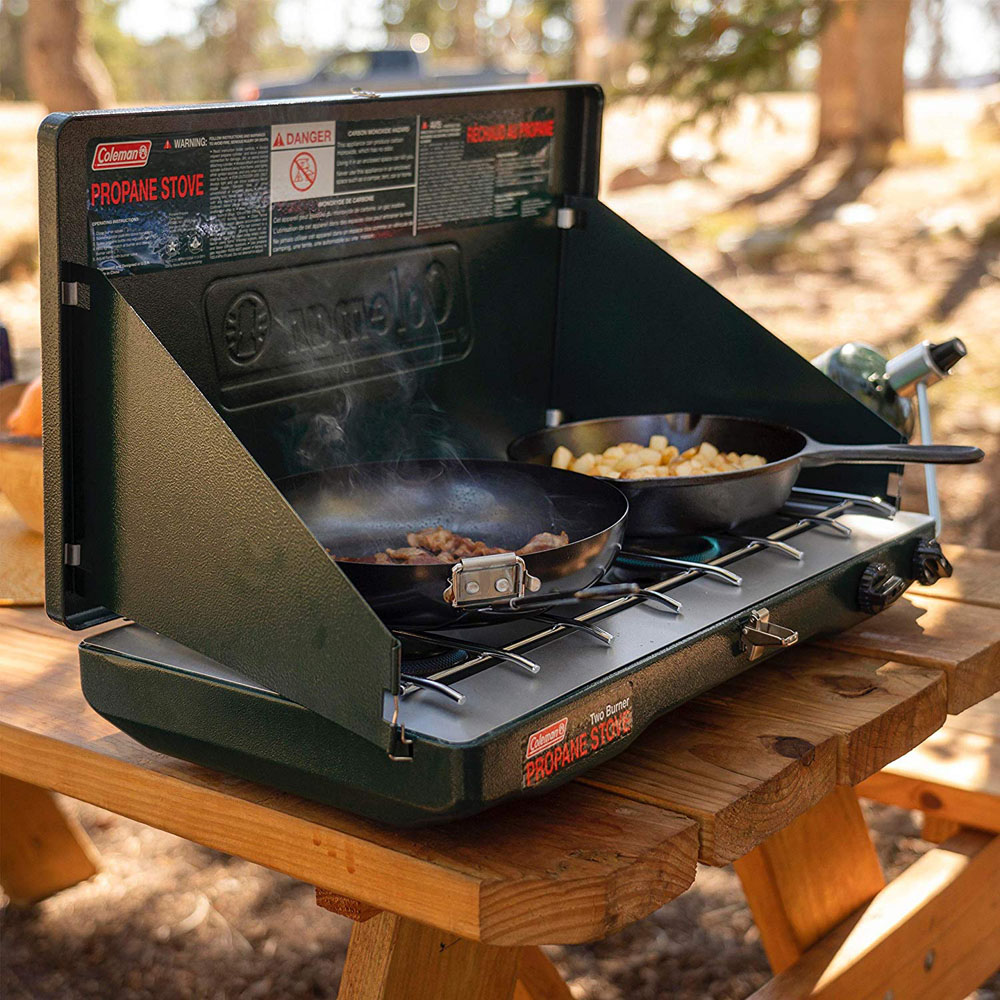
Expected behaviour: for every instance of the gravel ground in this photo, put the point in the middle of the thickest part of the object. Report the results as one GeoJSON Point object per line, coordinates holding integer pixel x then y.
{"type": "Point", "coordinates": [911, 253]}
{"type": "Point", "coordinates": [168, 920]}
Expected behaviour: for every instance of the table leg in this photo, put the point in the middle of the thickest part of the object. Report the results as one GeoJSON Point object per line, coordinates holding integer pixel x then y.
{"type": "Point", "coordinates": [395, 958]}
{"type": "Point", "coordinates": [538, 978]}
{"type": "Point", "coordinates": [41, 849]}
{"type": "Point", "coordinates": [804, 880]}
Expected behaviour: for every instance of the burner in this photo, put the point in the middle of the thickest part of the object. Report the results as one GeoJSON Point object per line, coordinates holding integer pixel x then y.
{"type": "Point", "coordinates": [422, 659]}
{"type": "Point", "coordinates": [693, 548]}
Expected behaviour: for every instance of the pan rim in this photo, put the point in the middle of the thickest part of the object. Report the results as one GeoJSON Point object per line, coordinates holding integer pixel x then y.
{"type": "Point", "coordinates": [678, 482]}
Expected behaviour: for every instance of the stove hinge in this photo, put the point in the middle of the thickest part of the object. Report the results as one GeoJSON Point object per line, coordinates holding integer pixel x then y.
{"type": "Point", "coordinates": [400, 749]}
{"type": "Point", "coordinates": [71, 554]}
{"type": "Point", "coordinates": [568, 218]}
{"type": "Point", "coordinates": [74, 293]}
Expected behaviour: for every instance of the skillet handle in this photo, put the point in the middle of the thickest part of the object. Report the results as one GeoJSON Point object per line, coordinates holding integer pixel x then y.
{"type": "Point", "coordinates": [877, 454]}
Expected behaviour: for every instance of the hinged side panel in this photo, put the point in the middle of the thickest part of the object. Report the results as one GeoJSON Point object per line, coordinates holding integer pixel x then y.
{"type": "Point", "coordinates": [197, 543]}
{"type": "Point", "coordinates": [640, 333]}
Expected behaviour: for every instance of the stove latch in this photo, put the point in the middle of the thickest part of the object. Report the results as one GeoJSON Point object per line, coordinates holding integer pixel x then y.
{"type": "Point", "coordinates": [760, 632]}
{"type": "Point", "coordinates": [489, 580]}
{"type": "Point", "coordinates": [930, 564]}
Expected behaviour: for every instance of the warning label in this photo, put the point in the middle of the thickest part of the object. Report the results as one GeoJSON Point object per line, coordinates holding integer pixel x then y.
{"type": "Point", "coordinates": [173, 201]}
{"type": "Point", "coordinates": [477, 169]}
{"type": "Point", "coordinates": [302, 161]}
{"type": "Point", "coordinates": [176, 200]}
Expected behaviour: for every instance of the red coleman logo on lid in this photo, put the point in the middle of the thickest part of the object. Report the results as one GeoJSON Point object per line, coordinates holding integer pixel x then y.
{"type": "Point", "coordinates": [545, 738]}
{"type": "Point", "coordinates": [119, 155]}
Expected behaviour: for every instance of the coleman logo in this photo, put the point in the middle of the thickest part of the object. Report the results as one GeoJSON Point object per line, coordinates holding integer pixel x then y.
{"type": "Point", "coordinates": [541, 740]}
{"type": "Point", "coordinates": [120, 155]}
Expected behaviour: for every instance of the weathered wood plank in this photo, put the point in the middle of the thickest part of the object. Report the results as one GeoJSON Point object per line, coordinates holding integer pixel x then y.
{"type": "Point", "coordinates": [953, 776]}
{"type": "Point", "coordinates": [877, 709]}
{"type": "Point", "coordinates": [963, 640]}
{"type": "Point", "coordinates": [976, 579]}
{"type": "Point", "coordinates": [933, 933]}
{"type": "Point", "coordinates": [41, 849]}
{"type": "Point", "coordinates": [518, 874]}
{"type": "Point", "coordinates": [748, 757]}
{"type": "Point", "coordinates": [808, 877]}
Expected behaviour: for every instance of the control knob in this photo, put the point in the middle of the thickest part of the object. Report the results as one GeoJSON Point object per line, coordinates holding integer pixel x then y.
{"type": "Point", "coordinates": [878, 588]}
{"type": "Point", "coordinates": [929, 563]}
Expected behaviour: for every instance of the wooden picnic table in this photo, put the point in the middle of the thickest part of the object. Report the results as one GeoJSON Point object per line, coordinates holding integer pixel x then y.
{"type": "Point", "coordinates": [760, 771]}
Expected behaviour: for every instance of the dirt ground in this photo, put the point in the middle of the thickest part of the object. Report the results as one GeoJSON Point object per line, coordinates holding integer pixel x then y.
{"type": "Point", "coordinates": [817, 254]}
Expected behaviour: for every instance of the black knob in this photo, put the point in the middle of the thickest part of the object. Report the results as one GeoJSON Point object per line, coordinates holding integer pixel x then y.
{"type": "Point", "coordinates": [878, 588]}
{"type": "Point", "coordinates": [946, 355]}
{"type": "Point", "coordinates": [929, 563]}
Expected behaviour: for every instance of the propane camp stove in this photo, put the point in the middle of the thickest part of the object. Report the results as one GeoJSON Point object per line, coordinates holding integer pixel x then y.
{"type": "Point", "coordinates": [235, 295]}
{"type": "Point", "coordinates": [518, 707]}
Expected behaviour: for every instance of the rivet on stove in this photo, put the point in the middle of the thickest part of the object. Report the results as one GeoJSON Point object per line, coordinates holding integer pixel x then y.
{"type": "Point", "coordinates": [502, 585]}
{"type": "Point", "coordinates": [472, 587]}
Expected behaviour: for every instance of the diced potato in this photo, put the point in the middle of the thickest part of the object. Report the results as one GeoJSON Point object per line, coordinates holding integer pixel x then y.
{"type": "Point", "coordinates": [660, 460]}
{"type": "Point", "coordinates": [628, 462]}
{"type": "Point", "coordinates": [562, 457]}
{"type": "Point", "coordinates": [649, 456]}
{"type": "Point", "coordinates": [641, 472]}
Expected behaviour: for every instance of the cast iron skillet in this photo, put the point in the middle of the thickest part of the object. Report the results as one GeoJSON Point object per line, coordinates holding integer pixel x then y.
{"type": "Point", "coordinates": [701, 504]}
{"type": "Point", "coordinates": [359, 510]}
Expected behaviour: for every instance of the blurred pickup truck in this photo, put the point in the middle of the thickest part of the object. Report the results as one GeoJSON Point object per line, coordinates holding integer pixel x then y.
{"type": "Point", "coordinates": [376, 70]}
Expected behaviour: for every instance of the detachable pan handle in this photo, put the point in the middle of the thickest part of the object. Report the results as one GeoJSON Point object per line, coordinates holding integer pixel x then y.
{"type": "Point", "coordinates": [877, 454]}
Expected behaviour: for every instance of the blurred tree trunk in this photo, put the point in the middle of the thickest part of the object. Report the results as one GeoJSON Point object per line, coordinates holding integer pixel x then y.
{"type": "Point", "coordinates": [933, 10]}
{"type": "Point", "coordinates": [466, 44]}
{"type": "Point", "coordinates": [591, 49]}
{"type": "Point", "coordinates": [837, 82]}
{"type": "Point", "coordinates": [861, 83]}
{"type": "Point", "coordinates": [63, 70]}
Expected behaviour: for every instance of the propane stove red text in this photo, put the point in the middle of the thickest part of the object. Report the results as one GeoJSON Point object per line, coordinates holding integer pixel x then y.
{"type": "Point", "coordinates": [503, 132]}
{"type": "Point", "coordinates": [550, 750]}
{"type": "Point", "coordinates": [167, 188]}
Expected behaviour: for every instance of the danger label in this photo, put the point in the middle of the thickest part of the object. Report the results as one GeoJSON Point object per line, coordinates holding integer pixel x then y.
{"type": "Point", "coordinates": [302, 161]}
{"type": "Point", "coordinates": [560, 744]}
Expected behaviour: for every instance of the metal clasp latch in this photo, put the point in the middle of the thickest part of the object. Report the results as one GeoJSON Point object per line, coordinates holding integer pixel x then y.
{"type": "Point", "coordinates": [760, 632]}
{"type": "Point", "coordinates": [489, 580]}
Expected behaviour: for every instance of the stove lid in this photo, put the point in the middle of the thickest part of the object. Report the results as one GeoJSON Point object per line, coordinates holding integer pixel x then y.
{"type": "Point", "coordinates": [236, 293]}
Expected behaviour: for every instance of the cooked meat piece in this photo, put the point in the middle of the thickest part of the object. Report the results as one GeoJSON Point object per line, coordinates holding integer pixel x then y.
{"type": "Point", "coordinates": [413, 556]}
{"type": "Point", "coordinates": [448, 543]}
{"type": "Point", "coordinates": [438, 545]}
{"type": "Point", "coordinates": [542, 541]}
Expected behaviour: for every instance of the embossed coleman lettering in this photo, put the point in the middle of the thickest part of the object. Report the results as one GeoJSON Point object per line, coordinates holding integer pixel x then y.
{"type": "Point", "coordinates": [400, 307]}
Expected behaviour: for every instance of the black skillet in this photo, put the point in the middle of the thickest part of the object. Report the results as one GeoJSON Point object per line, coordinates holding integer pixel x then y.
{"type": "Point", "coordinates": [703, 504]}
{"type": "Point", "coordinates": [359, 510]}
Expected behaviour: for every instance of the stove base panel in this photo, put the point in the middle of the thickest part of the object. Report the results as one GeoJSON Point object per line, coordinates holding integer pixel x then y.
{"type": "Point", "coordinates": [176, 702]}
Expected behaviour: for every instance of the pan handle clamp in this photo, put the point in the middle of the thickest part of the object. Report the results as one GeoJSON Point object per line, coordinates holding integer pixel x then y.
{"type": "Point", "coordinates": [760, 633]}
{"type": "Point", "coordinates": [481, 580]}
